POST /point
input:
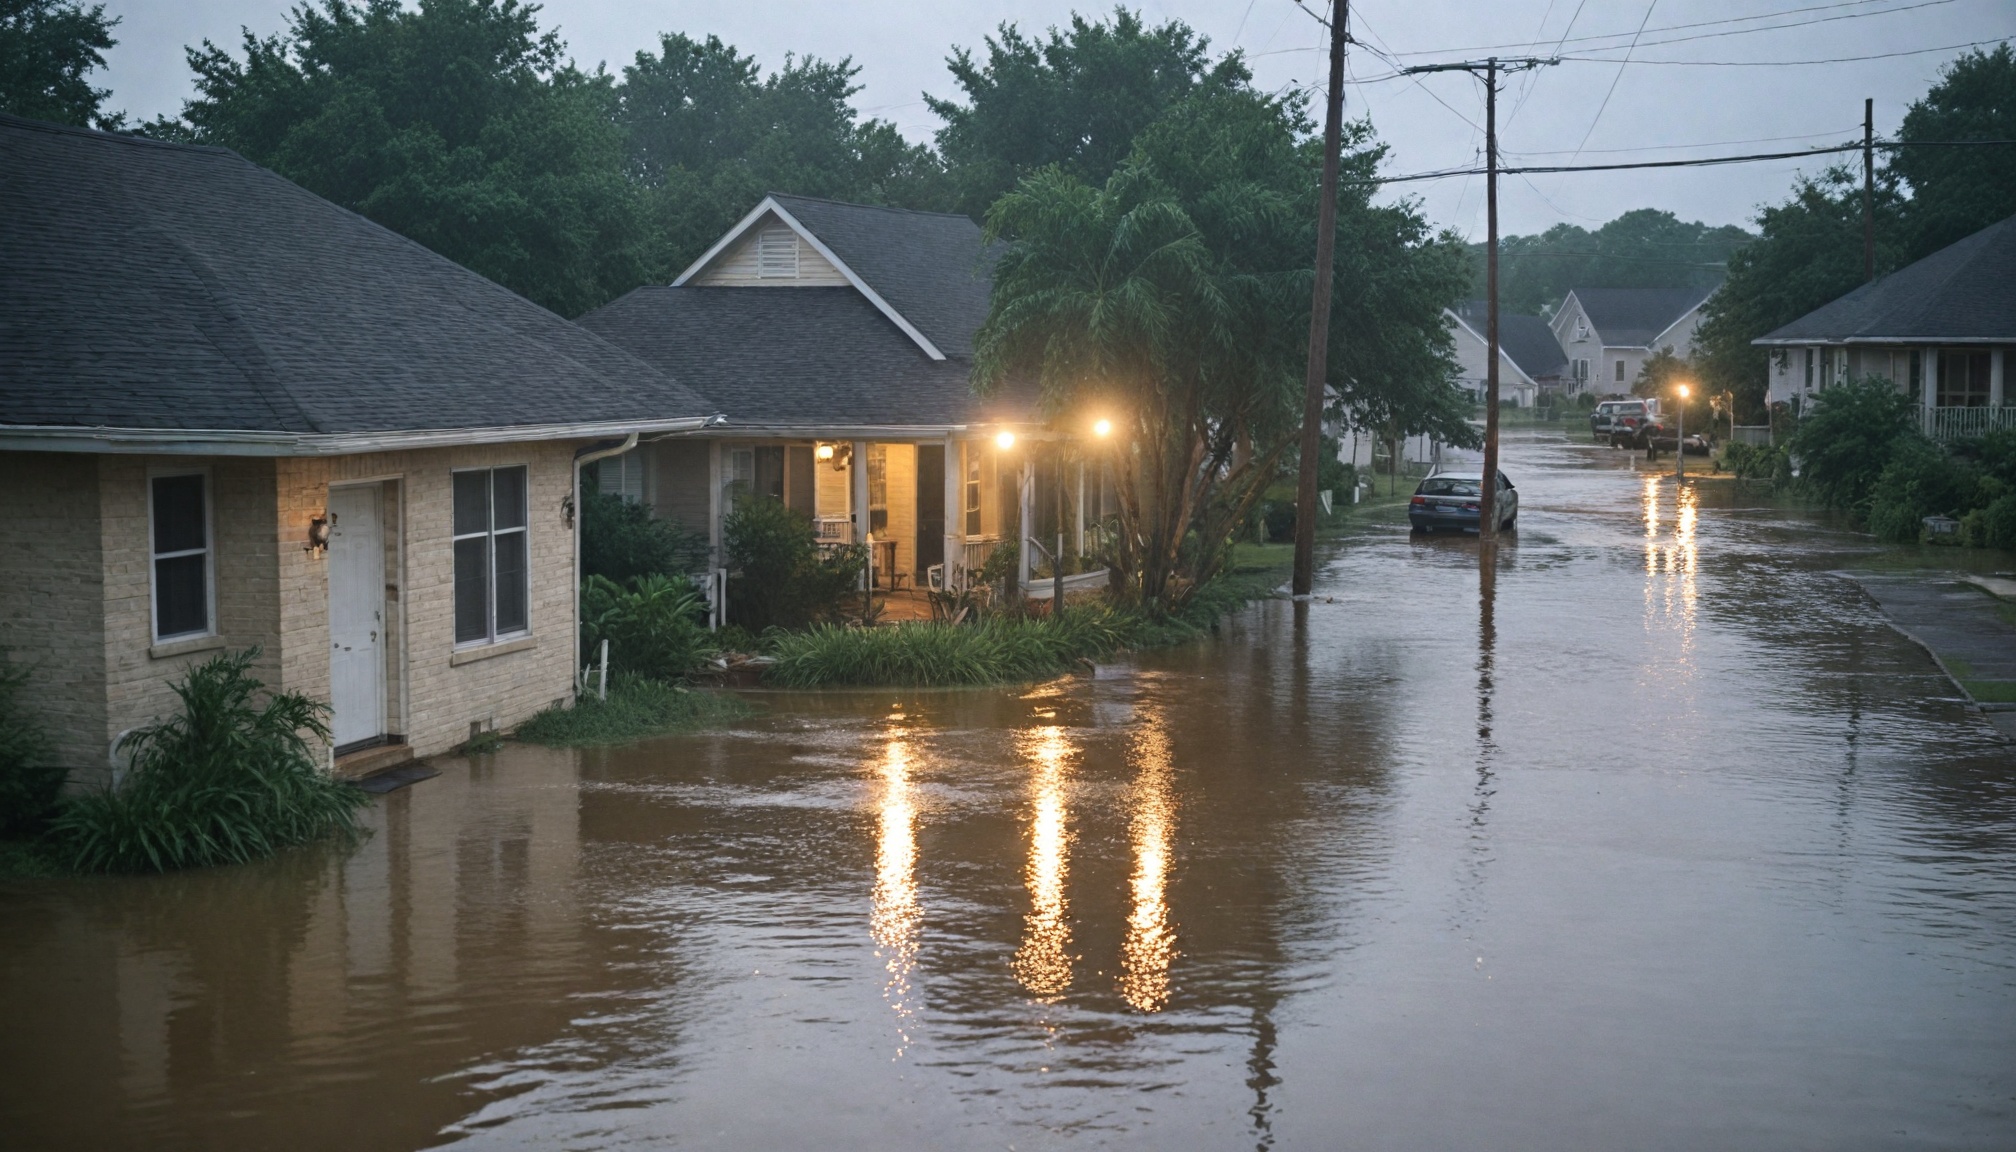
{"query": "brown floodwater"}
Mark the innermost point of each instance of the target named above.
(1649, 835)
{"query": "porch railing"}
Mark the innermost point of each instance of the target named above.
(1960, 423)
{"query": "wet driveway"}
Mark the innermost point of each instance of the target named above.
(1652, 835)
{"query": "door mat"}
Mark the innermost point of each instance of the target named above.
(394, 779)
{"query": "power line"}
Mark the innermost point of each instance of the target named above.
(1600, 108)
(1777, 27)
(1790, 63)
(1703, 144)
(1566, 40)
(1699, 162)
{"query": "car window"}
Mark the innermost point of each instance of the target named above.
(1447, 486)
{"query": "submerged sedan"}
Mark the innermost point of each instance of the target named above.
(1451, 500)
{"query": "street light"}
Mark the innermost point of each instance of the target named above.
(1102, 428)
(1680, 439)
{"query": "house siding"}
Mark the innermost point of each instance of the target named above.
(736, 267)
(76, 604)
(51, 597)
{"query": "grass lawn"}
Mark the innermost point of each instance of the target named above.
(636, 710)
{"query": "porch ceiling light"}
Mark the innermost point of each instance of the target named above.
(1004, 440)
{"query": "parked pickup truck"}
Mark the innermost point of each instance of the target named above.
(1655, 435)
(1613, 414)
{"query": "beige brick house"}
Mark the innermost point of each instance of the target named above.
(234, 414)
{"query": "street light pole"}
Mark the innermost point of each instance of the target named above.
(1680, 438)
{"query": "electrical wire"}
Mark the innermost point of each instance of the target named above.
(1600, 108)
(1567, 40)
(1699, 162)
(1794, 63)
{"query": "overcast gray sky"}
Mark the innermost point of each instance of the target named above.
(1648, 109)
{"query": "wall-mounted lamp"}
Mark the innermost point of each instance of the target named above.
(1004, 441)
(839, 455)
(318, 532)
(823, 452)
(567, 510)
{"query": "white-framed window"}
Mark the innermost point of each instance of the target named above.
(972, 486)
(622, 476)
(777, 253)
(1619, 371)
(1581, 328)
(492, 555)
(182, 569)
(1582, 370)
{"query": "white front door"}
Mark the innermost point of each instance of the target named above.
(356, 614)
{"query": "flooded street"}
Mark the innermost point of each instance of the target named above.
(1655, 836)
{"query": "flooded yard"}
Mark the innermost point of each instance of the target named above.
(1650, 835)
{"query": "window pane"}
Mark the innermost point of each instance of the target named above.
(511, 579)
(181, 604)
(472, 589)
(472, 502)
(178, 513)
(509, 508)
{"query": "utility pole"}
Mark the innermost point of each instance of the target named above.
(1487, 492)
(1487, 500)
(1868, 190)
(1319, 312)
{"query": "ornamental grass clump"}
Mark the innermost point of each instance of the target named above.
(637, 708)
(229, 780)
(994, 651)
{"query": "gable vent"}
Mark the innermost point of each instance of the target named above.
(777, 253)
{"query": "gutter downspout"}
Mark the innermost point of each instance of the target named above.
(587, 454)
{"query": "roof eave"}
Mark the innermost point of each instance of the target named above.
(1843, 341)
(235, 442)
(750, 430)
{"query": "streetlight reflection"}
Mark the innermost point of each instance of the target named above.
(1043, 964)
(897, 918)
(1150, 944)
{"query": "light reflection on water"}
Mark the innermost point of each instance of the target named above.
(1043, 963)
(897, 919)
(1150, 944)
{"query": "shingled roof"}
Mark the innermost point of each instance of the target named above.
(1965, 292)
(928, 265)
(800, 358)
(1636, 316)
(177, 295)
(1527, 340)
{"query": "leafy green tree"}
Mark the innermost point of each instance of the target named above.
(1174, 296)
(47, 49)
(457, 123)
(1076, 98)
(709, 135)
(1959, 191)
(1643, 248)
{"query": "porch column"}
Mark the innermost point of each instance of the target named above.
(1997, 366)
(955, 516)
(858, 499)
(1081, 506)
(714, 501)
(1027, 504)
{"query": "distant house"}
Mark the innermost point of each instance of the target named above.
(234, 414)
(1942, 329)
(1530, 363)
(1607, 334)
(838, 339)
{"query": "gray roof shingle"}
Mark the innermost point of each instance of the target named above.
(1528, 340)
(929, 266)
(167, 287)
(805, 358)
(1636, 316)
(1964, 291)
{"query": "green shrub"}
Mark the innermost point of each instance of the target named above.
(781, 578)
(2000, 523)
(637, 708)
(224, 782)
(1755, 462)
(621, 541)
(1849, 438)
(653, 627)
(994, 651)
(1919, 480)
(30, 780)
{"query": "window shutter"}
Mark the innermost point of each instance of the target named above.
(777, 253)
